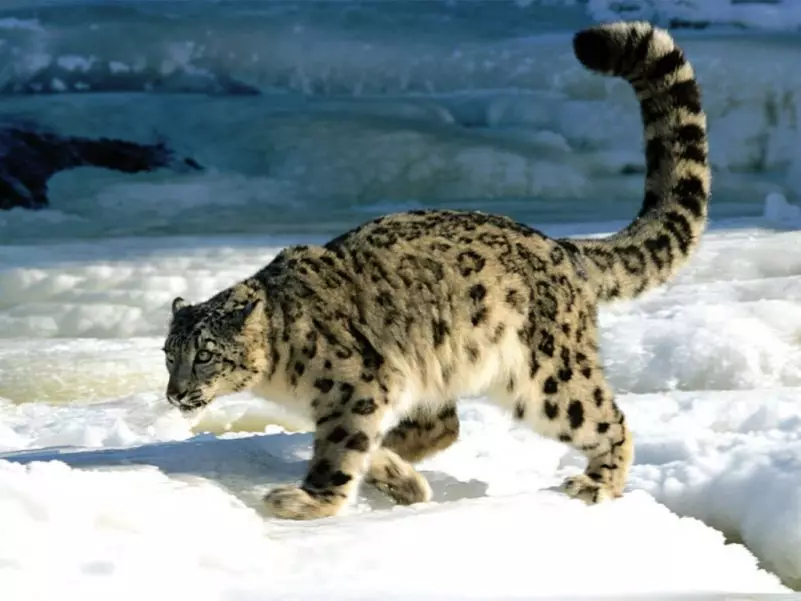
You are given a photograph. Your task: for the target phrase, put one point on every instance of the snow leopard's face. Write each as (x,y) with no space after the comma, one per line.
(212,349)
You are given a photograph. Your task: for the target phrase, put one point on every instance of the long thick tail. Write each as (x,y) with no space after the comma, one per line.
(650,250)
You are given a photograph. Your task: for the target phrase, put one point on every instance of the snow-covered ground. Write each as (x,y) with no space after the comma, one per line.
(103,483)
(107,493)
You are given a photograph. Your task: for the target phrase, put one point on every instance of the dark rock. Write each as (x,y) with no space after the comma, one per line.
(29,158)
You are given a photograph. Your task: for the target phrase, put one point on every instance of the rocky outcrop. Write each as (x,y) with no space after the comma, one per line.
(29,158)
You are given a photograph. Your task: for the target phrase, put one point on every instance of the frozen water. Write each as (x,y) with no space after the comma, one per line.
(541,140)
(774,14)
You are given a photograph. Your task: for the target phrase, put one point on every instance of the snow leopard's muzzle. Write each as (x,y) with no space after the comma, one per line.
(186,399)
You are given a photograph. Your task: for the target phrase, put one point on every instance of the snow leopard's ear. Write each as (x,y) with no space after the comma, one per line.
(248,315)
(178,303)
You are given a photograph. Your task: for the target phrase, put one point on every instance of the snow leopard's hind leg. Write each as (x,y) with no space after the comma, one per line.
(424,433)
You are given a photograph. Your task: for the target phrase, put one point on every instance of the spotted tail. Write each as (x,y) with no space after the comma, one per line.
(650,250)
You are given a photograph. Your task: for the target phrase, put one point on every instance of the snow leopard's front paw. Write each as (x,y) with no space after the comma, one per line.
(295,503)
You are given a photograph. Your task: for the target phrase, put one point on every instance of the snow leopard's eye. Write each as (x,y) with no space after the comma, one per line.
(203,356)
(168,356)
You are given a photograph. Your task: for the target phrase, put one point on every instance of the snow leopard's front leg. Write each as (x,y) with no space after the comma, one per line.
(349,422)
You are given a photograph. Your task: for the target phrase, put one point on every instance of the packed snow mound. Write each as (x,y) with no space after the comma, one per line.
(729,459)
(97,531)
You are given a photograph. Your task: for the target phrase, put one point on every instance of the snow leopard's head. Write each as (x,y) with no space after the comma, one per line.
(214,348)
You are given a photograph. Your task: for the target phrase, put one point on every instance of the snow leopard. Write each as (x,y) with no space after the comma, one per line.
(376,335)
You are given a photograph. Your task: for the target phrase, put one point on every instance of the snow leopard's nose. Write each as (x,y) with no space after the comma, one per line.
(175,395)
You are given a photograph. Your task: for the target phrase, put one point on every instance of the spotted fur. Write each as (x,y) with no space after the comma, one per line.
(376,334)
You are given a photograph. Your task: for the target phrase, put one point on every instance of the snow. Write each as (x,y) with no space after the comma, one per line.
(106,477)
(108,492)
(737,468)
(98,530)
(193,539)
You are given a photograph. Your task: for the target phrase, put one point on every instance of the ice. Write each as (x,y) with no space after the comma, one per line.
(485,103)
(118,67)
(270,163)
(74,63)
(775,14)
(335,48)
(23,24)
(779,211)
(544,130)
